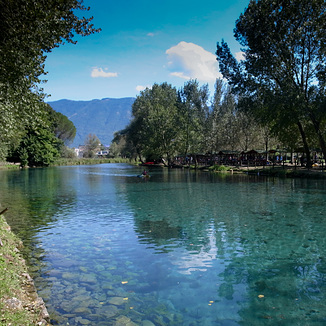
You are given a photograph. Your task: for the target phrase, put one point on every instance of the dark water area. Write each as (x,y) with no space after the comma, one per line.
(180,248)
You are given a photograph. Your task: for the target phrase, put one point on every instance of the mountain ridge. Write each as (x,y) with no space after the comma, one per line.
(102,117)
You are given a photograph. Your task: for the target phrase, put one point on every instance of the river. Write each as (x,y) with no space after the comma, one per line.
(180,248)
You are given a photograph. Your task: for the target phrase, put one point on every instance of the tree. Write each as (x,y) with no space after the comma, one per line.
(63,128)
(92,143)
(194,113)
(39,147)
(284,66)
(32,28)
(155,124)
(29,30)
(122,145)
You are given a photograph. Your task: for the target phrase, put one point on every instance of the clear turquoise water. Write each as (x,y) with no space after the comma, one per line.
(182,248)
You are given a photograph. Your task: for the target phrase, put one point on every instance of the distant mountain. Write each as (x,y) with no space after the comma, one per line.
(100,117)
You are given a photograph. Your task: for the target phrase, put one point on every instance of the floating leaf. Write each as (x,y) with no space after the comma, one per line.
(124,282)
(125,298)
(211,302)
(261,296)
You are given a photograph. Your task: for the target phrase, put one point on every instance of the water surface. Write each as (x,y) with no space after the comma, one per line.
(182,248)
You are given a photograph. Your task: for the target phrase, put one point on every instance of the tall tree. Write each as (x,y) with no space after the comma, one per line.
(38,147)
(155,125)
(92,143)
(63,128)
(32,28)
(29,30)
(194,112)
(284,66)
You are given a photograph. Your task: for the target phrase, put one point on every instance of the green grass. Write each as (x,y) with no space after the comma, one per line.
(12,268)
(8,166)
(219,168)
(89,161)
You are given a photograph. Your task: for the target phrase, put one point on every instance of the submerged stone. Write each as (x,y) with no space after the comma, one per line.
(82,310)
(118,301)
(108,311)
(88,278)
(68,276)
(147,323)
(82,321)
(124,321)
(82,297)
(107,286)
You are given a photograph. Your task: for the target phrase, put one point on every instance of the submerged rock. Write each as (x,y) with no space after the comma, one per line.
(147,323)
(82,310)
(82,321)
(68,276)
(88,278)
(111,311)
(108,311)
(118,301)
(124,321)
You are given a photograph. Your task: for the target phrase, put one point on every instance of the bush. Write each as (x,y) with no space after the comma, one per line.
(219,168)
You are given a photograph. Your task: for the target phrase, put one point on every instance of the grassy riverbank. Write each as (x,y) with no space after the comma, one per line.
(19,303)
(9,166)
(280,171)
(72,161)
(88,161)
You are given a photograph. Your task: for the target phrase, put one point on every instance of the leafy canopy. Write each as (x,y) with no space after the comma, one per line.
(283,72)
(29,30)
(32,28)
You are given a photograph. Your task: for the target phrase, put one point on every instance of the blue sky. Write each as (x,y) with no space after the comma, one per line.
(141,43)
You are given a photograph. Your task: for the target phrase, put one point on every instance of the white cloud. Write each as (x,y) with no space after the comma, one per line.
(239,56)
(140,88)
(191,61)
(180,75)
(150,34)
(99,72)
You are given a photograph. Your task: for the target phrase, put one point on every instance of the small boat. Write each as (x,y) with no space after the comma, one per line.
(144,176)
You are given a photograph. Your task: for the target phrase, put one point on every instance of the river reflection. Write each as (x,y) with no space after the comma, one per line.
(182,248)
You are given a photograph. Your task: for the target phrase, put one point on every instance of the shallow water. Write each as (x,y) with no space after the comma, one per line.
(182,248)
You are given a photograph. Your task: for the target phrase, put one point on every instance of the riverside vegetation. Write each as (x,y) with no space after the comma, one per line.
(19,303)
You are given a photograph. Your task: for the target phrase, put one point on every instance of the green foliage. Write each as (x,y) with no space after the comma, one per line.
(167,123)
(37,148)
(219,168)
(282,77)
(153,130)
(92,143)
(63,128)
(67,152)
(193,113)
(88,161)
(29,30)
(122,146)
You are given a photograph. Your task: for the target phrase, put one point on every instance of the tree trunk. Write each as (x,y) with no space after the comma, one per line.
(321,139)
(305,144)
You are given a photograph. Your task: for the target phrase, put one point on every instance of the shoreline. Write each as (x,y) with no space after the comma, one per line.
(19,301)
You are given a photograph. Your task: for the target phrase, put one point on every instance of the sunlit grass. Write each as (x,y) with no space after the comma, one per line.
(89,161)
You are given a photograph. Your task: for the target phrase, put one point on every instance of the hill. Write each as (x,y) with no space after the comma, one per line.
(100,117)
